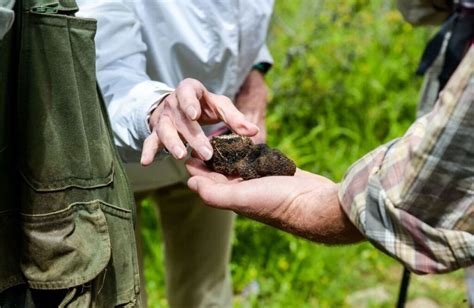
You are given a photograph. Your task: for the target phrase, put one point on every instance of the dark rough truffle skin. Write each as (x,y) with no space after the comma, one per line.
(237,155)
(228,150)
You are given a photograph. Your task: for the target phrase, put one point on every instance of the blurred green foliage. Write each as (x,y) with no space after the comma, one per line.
(343,83)
(343,80)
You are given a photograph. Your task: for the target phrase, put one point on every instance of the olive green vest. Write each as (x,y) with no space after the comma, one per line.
(66,211)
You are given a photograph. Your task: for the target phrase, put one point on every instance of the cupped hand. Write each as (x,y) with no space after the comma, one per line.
(305,204)
(262,198)
(178,118)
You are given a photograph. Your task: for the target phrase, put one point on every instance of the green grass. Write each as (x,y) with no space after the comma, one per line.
(343,82)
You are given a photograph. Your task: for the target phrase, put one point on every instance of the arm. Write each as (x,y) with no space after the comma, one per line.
(252,97)
(252,102)
(305,204)
(412,198)
(121,71)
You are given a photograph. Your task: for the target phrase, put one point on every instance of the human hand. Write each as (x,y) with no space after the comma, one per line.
(252,102)
(304,204)
(178,118)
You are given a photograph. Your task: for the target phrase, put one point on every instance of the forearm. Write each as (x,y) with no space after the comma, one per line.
(326,222)
(129,117)
(129,93)
(252,102)
(305,204)
(409,197)
(252,97)
(314,216)
(253,94)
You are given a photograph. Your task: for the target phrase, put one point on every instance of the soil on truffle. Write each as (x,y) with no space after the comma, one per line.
(237,155)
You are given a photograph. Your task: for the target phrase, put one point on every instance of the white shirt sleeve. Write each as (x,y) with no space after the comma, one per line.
(264,56)
(128,91)
(7,16)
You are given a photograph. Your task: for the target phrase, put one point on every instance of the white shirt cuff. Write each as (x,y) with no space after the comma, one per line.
(147,96)
(129,117)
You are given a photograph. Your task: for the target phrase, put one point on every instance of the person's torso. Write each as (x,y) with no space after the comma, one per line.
(215,42)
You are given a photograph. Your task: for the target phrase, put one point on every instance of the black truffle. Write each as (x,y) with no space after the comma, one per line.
(237,155)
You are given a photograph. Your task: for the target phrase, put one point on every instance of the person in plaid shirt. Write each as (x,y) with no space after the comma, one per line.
(412,198)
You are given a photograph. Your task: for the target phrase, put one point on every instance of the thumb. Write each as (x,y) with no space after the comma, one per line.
(193,183)
(202,185)
(208,190)
(150,148)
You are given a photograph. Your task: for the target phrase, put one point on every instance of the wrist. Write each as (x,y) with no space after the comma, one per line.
(153,113)
(254,86)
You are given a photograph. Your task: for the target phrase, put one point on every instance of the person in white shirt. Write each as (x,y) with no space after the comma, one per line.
(162,65)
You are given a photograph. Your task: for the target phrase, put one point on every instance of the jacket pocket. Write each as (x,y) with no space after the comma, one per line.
(66,248)
(65,141)
(88,244)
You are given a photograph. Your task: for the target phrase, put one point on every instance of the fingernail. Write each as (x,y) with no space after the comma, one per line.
(144,160)
(192,184)
(191,112)
(178,152)
(206,153)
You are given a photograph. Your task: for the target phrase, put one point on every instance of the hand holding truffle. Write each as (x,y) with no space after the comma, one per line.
(304,204)
(178,118)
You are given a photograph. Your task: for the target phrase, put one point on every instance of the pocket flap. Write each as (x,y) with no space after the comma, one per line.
(65,248)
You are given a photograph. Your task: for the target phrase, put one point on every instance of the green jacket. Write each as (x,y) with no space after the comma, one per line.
(66,211)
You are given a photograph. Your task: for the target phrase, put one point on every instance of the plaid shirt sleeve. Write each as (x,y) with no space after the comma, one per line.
(413,198)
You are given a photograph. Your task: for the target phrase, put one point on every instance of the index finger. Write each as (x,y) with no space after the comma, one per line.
(231,115)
